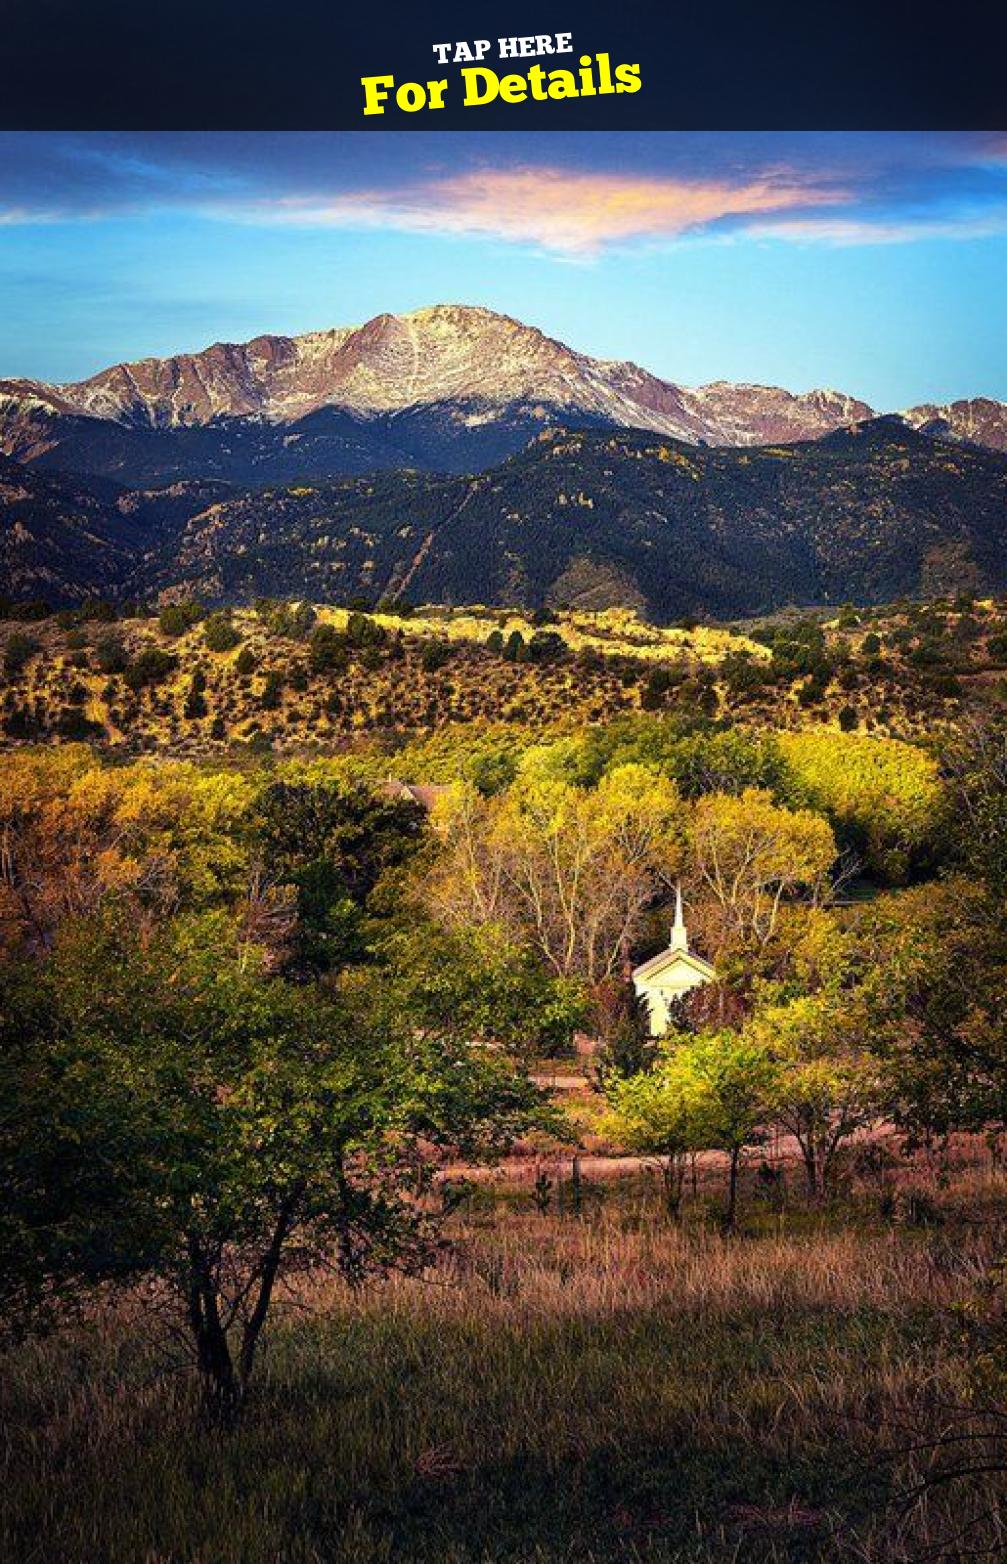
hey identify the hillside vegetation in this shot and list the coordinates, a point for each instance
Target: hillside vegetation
(578, 519)
(296, 677)
(601, 519)
(325, 1096)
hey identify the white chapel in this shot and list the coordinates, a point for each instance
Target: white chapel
(670, 974)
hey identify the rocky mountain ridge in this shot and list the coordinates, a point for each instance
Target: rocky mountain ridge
(448, 388)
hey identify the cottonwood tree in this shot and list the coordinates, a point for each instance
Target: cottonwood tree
(736, 1081)
(935, 986)
(468, 886)
(175, 1115)
(660, 1114)
(573, 869)
(748, 855)
(975, 764)
(77, 837)
(884, 797)
(711, 1091)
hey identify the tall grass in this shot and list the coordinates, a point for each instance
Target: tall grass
(612, 1388)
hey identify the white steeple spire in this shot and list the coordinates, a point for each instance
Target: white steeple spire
(679, 938)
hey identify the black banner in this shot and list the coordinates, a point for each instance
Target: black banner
(255, 64)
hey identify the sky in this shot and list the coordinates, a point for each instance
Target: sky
(871, 262)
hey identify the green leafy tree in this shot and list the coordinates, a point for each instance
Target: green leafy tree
(935, 984)
(975, 764)
(332, 841)
(660, 1114)
(435, 654)
(19, 649)
(171, 1113)
(828, 1086)
(327, 650)
(709, 1091)
(483, 985)
(363, 631)
(736, 1081)
(195, 700)
(271, 697)
(110, 654)
(884, 797)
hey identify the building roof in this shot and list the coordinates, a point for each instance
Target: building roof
(425, 794)
(677, 951)
(672, 957)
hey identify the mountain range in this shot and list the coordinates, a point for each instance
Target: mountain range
(587, 518)
(448, 389)
(455, 455)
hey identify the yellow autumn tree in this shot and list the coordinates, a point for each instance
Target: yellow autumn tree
(828, 1084)
(884, 795)
(748, 855)
(571, 869)
(75, 833)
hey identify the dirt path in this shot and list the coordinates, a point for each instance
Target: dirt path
(778, 1149)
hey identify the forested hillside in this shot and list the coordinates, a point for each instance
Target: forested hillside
(578, 518)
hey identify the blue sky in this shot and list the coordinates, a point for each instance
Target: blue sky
(874, 263)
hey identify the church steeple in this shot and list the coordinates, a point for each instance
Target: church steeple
(679, 938)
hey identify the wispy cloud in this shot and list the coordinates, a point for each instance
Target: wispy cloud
(574, 212)
(588, 195)
(842, 231)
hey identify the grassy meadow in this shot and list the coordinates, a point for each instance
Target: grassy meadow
(604, 1387)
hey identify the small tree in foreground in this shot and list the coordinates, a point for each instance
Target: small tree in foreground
(827, 1086)
(658, 1113)
(174, 1115)
(713, 1091)
(736, 1081)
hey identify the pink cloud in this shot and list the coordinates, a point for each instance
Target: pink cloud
(574, 212)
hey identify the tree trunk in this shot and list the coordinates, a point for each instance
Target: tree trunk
(270, 1267)
(673, 1172)
(221, 1390)
(576, 1186)
(811, 1171)
(732, 1189)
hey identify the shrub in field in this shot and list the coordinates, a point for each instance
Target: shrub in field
(19, 649)
(220, 633)
(327, 650)
(110, 654)
(179, 1116)
(176, 618)
(152, 666)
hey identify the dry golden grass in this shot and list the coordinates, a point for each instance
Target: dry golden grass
(596, 1389)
